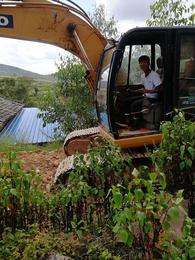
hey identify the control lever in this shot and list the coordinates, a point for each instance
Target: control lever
(115, 97)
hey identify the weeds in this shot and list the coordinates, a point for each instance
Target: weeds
(11, 144)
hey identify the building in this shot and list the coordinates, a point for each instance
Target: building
(21, 124)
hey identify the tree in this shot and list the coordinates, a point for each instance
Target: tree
(23, 89)
(7, 85)
(70, 101)
(107, 26)
(10, 88)
(25, 80)
(36, 90)
(171, 13)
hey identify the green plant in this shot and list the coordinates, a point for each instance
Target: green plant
(175, 157)
(103, 247)
(17, 190)
(32, 244)
(69, 102)
(82, 206)
(171, 12)
(184, 247)
(106, 25)
(143, 212)
(186, 244)
(11, 144)
(21, 202)
(88, 186)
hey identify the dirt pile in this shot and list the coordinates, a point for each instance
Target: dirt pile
(46, 163)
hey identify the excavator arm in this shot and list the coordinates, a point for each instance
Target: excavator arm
(55, 23)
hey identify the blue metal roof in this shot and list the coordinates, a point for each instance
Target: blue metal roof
(26, 127)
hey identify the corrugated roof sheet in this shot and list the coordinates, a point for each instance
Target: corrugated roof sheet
(8, 109)
(27, 128)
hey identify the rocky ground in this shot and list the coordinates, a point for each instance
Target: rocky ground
(46, 163)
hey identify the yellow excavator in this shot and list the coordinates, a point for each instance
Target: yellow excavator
(112, 68)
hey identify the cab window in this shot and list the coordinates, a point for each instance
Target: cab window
(135, 71)
(186, 101)
(130, 72)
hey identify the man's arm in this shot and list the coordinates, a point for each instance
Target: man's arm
(158, 88)
(143, 90)
(138, 91)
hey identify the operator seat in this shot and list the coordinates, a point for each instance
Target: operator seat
(153, 113)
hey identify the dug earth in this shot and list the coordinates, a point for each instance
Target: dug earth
(45, 162)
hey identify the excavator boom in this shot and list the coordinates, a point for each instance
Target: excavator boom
(54, 23)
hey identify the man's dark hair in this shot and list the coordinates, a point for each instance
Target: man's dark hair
(144, 58)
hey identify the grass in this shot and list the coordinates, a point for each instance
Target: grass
(11, 145)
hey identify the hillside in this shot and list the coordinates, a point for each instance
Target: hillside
(9, 71)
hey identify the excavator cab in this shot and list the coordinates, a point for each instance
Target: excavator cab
(112, 68)
(171, 51)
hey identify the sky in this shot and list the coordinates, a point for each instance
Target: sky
(41, 58)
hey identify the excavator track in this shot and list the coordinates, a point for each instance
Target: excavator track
(140, 156)
(138, 152)
(75, 141)
(64, 167)
(79, 141)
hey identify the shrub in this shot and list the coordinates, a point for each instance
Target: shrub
(33, 244)
(175, 157)
(88, 186)
(143, 212)
(18, 191)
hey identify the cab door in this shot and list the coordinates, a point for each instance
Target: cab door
(185, 83)
(125, 72)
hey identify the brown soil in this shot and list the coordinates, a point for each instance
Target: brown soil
(46, 163)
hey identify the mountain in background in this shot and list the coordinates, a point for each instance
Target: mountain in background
(9, 71)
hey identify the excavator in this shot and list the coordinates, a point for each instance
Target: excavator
(112, 69)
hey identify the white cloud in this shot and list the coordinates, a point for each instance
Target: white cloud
(32, 56)
(137, 10)
(129, 14)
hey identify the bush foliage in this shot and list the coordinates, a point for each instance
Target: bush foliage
(24, 89)
(175, 157)
(97, 207)
(70, 102)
